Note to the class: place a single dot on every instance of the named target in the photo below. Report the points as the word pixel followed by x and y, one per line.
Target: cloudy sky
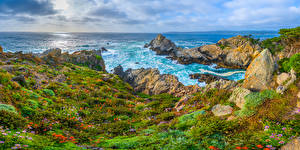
pixel 147 15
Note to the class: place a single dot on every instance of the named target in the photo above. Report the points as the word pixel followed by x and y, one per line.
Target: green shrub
pixel 4 78
pixel 188 120
pixel 253 100
pixel 9 108
pixel 210 125
pixel 48 92
pixel 292 63
pixel 11 120
pixel 28 111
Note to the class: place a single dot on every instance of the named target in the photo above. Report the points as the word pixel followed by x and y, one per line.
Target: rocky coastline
pixel 69 101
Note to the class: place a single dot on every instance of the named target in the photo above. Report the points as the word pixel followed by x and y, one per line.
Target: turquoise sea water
pixel 128 49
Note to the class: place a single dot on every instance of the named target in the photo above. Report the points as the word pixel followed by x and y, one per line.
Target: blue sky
pixel 147 15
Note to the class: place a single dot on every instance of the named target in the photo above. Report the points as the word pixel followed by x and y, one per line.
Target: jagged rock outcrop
pixel 235 52
pixel 162 45
pixel 91 58
pixel 221 110
pixel 260 72
pixel 150 81
pixel 1 49
pixel 238 96
pixel 207 78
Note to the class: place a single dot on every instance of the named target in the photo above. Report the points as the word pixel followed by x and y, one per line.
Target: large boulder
pixel 238 96
pixel 1 49
pixel 293 145
pixel 260 72
pixel 150 81
pixel 221 110
pixel 162 45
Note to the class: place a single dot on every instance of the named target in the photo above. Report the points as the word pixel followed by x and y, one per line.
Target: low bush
pixel 253 100
pixel 293 62
pixel 8 108
pixel 11 120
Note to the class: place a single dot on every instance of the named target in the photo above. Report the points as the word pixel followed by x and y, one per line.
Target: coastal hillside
pixel 68 101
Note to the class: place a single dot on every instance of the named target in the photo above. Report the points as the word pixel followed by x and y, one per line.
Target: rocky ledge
pixel 236 52
pixel 150 81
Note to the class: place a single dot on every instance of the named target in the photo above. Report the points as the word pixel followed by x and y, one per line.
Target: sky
pixel 147 15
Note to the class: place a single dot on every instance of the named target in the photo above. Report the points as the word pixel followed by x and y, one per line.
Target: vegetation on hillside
pixel 67 106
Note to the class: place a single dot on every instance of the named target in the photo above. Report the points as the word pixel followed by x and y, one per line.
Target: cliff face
pixel 235 52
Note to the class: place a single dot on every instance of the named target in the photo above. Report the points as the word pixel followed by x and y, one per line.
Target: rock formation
pixel 285 80
pixel 260 72
pixel 235 52
pixel 221 110
pixel 150 81
pixel 162 45
pixel 90 58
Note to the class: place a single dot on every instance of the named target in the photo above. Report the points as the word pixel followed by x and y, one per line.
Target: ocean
pixel 127 49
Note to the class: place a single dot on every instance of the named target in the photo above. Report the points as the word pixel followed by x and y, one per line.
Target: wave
pixel 226 74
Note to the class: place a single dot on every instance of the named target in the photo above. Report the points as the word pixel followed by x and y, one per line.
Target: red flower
pixel 213 148
pixel 259 146
pixel 244 147
pixel 267 149
pixel 238 148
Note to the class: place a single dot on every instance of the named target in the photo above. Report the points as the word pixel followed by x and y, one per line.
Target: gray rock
pixel 282 78
pixel 284 86
pixel 221 110
pixel 162 45
pixel 20 79
pixel 238 96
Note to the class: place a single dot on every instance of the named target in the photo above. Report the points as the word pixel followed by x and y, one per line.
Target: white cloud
pixel 166 15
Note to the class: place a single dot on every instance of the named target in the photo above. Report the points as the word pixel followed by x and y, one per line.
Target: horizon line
pixel 141 32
